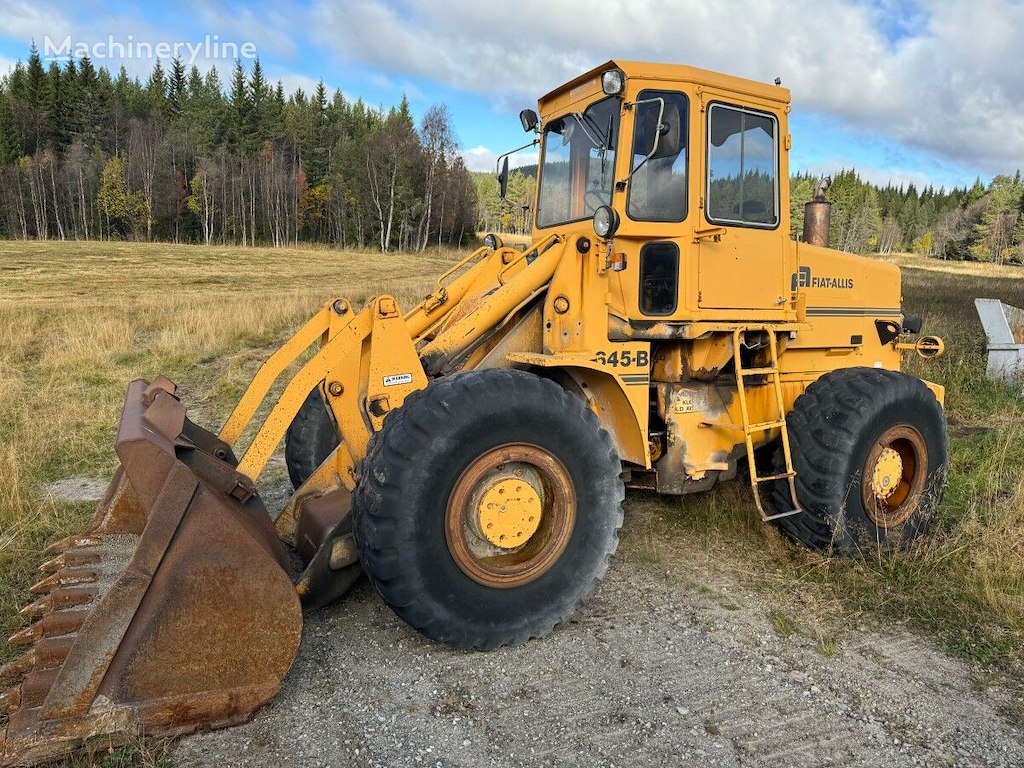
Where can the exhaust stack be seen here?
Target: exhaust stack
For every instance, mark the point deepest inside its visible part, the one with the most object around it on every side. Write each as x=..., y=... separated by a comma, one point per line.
x=818, y=216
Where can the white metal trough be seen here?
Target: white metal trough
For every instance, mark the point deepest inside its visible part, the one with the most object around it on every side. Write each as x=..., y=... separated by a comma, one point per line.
x=1004, y=327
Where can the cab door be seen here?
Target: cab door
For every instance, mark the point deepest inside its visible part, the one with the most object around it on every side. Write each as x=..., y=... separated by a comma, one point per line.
x=739, y=235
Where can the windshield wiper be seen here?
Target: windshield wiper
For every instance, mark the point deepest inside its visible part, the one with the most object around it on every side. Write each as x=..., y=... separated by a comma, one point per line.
x=601, y=140
x=593, y=131
x=607, y=145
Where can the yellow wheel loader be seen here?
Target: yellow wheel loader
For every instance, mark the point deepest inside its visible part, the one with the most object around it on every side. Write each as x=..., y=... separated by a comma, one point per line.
x=662, y=331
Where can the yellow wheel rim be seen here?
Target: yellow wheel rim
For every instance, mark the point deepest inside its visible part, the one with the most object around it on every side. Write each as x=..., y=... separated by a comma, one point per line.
x=510, y=512
x=888, y=472
x=510, y=515
x=894, y=476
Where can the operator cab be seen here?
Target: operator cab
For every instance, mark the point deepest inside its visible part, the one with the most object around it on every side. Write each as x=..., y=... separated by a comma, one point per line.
x=683, y=171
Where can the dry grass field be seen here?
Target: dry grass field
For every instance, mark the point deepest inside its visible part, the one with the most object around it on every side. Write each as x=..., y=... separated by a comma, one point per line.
x=79, y=320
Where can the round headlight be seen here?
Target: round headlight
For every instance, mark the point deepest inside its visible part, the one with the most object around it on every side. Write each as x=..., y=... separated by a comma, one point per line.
x=613, y=81
x=606, y=221
x=492, y=241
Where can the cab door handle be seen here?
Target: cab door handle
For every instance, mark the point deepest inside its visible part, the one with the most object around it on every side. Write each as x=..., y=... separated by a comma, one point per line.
x=715, y=234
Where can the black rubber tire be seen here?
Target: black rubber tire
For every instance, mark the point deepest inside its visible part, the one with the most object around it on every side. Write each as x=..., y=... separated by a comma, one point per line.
x=410, y=470
x=311, y=438
x=832, y=428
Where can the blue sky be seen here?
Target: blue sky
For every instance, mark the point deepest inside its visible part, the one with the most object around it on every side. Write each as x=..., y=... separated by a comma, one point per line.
x=928, y=91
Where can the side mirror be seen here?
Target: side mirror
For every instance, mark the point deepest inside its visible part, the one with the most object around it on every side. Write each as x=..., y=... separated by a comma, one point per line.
x=669, y=131
x=661, y=132
x=503, y=179
x=529, y=120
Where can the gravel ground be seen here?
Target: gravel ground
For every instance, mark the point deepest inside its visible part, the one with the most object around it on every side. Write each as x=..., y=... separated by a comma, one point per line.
x=656, y=670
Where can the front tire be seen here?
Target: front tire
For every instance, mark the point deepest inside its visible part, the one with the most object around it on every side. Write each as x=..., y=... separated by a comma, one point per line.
x=871, y=453
x=310, y=439
x=487, y=508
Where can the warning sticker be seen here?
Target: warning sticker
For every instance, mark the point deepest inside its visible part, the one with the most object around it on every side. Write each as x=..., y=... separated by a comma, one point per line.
x=397, y=378
x=690, y=400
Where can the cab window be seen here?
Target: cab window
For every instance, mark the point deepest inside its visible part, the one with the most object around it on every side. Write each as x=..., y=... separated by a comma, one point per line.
x=657, y=187
x=743, y=183
x=577, y=163
x=659, y=278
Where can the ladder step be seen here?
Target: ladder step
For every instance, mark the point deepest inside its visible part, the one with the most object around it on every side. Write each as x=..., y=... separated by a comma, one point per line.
x=758, y=371
x=769, y=478
x=796, y=511
x=761, y=426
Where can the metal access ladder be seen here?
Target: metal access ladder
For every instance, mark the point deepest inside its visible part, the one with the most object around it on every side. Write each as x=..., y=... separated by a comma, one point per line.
x=750, y=429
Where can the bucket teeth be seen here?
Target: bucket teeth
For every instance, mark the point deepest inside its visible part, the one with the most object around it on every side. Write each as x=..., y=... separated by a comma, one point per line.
x=19, y=666
x=27, y=636
x=38, y=608
x=59, y=599
x=52, y=624
x=72, y=542
x=10, y=700
x=72, y=558
x=59, y=623
x=46, y=654
x=63, y=578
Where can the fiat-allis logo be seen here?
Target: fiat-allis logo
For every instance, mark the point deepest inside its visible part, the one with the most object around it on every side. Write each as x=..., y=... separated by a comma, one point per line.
x=804, y=279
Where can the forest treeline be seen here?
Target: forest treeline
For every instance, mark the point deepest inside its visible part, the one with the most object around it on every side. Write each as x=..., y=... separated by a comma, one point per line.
x=977, y=223
x=184, y=157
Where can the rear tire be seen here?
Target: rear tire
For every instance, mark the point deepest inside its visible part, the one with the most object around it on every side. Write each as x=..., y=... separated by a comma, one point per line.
x=871, y=452
x=454, y=450
x=310, y=439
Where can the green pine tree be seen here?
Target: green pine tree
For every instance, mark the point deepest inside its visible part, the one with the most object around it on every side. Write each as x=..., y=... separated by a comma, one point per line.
x=241, y=108
x=36, y=82
x=156, y=90
x=57, y=104
x=177, y=88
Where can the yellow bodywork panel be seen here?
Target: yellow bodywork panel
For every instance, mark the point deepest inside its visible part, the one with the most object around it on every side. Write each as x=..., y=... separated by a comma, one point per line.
x=619, y=396
x=938, y=390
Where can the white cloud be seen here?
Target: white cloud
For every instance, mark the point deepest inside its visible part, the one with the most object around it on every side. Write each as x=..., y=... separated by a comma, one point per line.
x=878, y=176
x=293, y=80
x=271, y=29
x=482, y=158
x=944, y=76
x=24, y=20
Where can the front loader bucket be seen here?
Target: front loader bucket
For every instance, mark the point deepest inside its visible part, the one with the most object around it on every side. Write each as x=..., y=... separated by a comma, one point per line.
x=171, y=612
